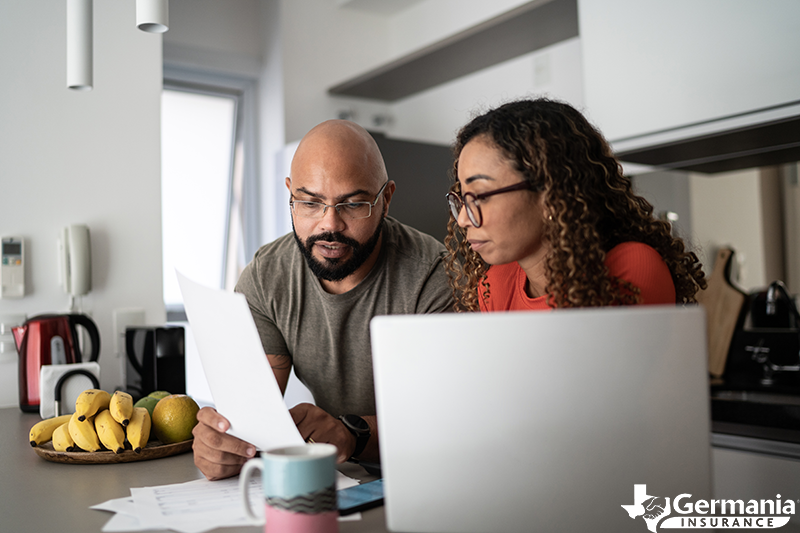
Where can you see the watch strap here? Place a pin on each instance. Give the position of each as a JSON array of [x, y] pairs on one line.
[[362, 435]]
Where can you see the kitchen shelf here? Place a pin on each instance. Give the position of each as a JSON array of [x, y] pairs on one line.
[[520, 31]]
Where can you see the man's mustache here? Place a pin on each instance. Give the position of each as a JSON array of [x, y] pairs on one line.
[[332, 236]]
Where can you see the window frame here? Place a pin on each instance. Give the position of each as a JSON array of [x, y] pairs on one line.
[[244, 92]]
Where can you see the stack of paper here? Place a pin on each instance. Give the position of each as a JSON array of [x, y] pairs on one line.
[[192, 507]]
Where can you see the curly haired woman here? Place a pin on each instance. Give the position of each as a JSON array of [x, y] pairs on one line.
[[543, 218]]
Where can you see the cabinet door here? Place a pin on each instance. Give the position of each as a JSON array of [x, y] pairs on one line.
[[653, 66]]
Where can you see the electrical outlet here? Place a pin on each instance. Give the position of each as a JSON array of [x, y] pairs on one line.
[[124, 318]]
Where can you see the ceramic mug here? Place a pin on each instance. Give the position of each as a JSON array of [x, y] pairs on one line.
[[299, 485]]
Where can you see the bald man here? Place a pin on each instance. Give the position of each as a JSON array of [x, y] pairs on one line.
[[313, 292]]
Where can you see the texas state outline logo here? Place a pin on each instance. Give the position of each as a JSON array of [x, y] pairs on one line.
[[681, 512]]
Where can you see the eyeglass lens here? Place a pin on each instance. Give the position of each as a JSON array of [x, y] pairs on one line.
[[473, 211], [352, 210]]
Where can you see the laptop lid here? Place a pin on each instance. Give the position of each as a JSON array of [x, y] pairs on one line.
[[540, 421]]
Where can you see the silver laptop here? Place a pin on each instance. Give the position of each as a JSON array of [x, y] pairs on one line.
[[541, 421]]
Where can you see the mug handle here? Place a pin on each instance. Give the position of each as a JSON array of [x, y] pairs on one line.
[[244, 481]]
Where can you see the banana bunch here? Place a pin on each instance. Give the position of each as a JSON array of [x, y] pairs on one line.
[[101, 421]]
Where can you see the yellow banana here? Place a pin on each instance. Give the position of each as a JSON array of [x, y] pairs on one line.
[[109, 431], [121, 407], [62, 440], [84, 434], [91, 401], [139, 429], [42, 432]]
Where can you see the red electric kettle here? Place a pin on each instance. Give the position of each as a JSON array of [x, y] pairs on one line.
[[49, 340]]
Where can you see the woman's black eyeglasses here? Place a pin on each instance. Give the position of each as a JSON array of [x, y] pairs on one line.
[[472, 201]]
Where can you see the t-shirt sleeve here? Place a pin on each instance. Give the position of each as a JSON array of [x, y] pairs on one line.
[[272, 340], [436, 296], [642, 266]]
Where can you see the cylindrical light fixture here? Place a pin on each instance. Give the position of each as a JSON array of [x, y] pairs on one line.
[[152, 15], [79, 44]]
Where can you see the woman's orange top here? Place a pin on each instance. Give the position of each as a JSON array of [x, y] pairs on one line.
[[634, 262]]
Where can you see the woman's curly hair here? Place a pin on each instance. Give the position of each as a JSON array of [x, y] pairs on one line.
[[593, 209]]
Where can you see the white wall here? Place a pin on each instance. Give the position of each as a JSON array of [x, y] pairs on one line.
[[82, 157], [323, 44], [728, 210], [226, 37]]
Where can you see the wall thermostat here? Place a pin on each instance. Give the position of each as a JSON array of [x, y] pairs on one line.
[[12, 267]]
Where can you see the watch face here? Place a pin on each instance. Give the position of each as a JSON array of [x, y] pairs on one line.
[[356, 422]]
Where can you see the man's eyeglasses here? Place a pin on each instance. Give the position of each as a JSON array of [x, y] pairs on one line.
[[472, 201], [349, 210]]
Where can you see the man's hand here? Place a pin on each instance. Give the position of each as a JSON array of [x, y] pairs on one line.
[[217, 454], [314, 423]]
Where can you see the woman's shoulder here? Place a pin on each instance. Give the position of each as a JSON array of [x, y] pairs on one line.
[[633, 250], [642, 265]]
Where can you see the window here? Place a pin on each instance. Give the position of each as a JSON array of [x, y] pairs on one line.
[[208, 231]]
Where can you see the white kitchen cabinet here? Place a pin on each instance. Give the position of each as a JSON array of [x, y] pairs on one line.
[[657, 67], [743, 475]]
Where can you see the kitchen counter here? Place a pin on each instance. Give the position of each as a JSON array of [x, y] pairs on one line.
[[40, 496], [757, 421]]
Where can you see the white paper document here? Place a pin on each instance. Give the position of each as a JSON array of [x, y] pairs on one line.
[[241, 381], [192, 507]]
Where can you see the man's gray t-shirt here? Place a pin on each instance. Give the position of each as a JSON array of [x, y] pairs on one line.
[[327, 335]]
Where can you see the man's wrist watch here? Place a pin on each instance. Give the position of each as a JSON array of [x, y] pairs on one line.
[[359, 428]]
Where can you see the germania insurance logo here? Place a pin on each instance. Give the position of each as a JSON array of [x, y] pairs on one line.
[[681, 512]]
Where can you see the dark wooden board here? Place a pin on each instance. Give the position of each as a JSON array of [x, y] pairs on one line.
[[153, 450]]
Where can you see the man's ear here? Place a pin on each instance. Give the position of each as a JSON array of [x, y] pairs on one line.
[[288, 182], [388, 192]]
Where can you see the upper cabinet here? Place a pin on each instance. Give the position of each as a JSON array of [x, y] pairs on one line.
[[529, 27], [657, 74]]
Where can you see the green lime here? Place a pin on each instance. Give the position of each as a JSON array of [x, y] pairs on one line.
[[149, 403], [159, 394]]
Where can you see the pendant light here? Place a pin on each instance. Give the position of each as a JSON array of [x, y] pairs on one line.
[[152, 15], [79, 45]]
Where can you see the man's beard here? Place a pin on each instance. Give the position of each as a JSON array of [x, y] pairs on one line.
[[335, 269]]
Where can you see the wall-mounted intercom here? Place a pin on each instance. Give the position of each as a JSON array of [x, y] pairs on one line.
[[12, 267], [75, 260]]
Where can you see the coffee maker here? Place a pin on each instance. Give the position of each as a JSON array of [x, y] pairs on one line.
[[155, 360], [765, 348]]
